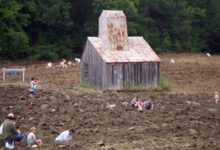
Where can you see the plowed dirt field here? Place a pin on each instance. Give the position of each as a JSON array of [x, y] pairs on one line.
[[186, 117]]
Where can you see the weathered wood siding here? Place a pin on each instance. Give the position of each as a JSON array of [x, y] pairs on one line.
[[115, 76], [146, 74], [91, 67]]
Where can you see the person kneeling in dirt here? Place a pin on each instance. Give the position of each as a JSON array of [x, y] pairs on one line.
[[10, 133], [141, 106], [65, 137], [31, 138]]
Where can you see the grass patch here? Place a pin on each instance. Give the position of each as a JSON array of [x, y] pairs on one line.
[[165, 84], [84, 88], [128, 86]]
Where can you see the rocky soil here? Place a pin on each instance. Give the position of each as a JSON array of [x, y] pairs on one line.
[[185, 117]]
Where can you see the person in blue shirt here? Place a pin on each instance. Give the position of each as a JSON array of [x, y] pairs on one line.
[[33, 87]]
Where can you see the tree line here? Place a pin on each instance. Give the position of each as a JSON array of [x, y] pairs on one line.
[[51, 29]]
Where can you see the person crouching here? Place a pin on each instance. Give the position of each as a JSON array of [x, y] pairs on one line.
[[65, 137], [10, 133]]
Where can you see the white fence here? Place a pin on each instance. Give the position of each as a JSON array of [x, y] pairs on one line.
[[13, 73]]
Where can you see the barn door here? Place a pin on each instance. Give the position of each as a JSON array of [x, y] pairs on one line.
[[115, 77]]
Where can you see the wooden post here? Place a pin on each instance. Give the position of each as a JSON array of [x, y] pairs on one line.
[[3, 74], [23, 75]]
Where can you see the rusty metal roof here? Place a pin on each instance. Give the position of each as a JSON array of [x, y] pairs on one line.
[[112, 13], [138, 51]]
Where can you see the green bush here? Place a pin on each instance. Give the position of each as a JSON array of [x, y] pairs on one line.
[[14, 45], [44, 52], [165, 84]]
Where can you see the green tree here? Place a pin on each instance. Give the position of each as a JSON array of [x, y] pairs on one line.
[[13, 40], [163, 21], [213, 26], [49, 28]]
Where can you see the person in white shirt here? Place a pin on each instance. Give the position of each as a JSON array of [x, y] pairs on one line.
[[1, 129], [65, 137], [31, 138], [49, 64], [216, 97]]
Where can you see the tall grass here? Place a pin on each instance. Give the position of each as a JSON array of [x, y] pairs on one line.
[[84, 88], [128, 86], [165, 84]]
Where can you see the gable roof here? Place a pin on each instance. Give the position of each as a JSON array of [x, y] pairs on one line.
[[112, 13], [138, 51]]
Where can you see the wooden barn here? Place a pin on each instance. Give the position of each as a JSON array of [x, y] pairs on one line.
[[113, 60]]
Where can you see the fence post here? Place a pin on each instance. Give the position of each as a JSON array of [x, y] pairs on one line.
[[3, 73], [23, 74]]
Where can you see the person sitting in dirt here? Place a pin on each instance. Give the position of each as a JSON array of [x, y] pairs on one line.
[[77, 61], [147, 105], [31, 138], [33, 87], [65, 137], [216, 97], [141, 106], [49, 64], [63, 63], [10, 132], [134, 102]]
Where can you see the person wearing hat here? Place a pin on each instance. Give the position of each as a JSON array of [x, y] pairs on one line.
[[9, 131]]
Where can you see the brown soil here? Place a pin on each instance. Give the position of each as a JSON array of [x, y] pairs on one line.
[[184, 118]]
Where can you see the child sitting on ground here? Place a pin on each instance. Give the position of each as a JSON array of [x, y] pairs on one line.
[[216, 97], [134, 102], [31, 138], [141, 106], [147, 105]]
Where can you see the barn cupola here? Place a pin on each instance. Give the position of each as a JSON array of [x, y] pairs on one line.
[[113, 30]]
